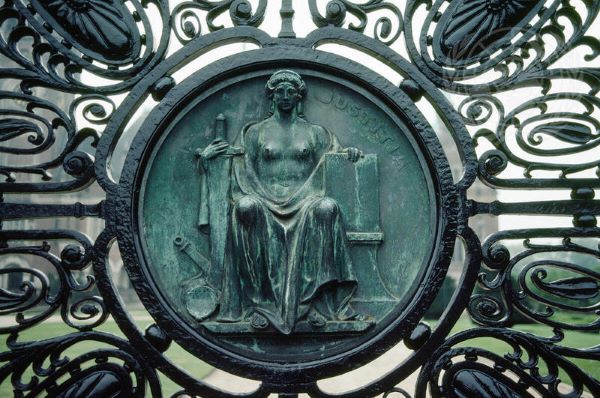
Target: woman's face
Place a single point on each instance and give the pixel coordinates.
(286, 96)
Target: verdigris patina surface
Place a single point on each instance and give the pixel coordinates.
(280, 240)
(287, 203)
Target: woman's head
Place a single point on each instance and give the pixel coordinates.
(286, 88)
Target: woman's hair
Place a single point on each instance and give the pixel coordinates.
(286, 76)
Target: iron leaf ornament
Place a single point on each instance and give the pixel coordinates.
(102, 37)
(509, 37)
(101, 28)
(470, 29)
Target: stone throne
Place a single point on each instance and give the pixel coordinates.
(355, 187)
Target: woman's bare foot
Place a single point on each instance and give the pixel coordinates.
(316, 319)
(258, 321)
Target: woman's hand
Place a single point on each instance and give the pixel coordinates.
(354, 154)
(214, 149)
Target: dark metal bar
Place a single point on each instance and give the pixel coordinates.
(553, 207)
(15, 211)
(287, 17)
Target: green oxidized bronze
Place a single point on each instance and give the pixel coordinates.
(276, 230)
(289, 224)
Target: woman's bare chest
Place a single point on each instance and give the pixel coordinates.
(292, 145)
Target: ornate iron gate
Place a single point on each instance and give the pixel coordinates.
(290, 260)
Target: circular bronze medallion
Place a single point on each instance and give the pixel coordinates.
(285, 216)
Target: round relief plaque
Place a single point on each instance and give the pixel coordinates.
(286, 217)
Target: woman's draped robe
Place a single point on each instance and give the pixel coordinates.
(281, 256)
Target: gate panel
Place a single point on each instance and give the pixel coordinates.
(329, 198)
